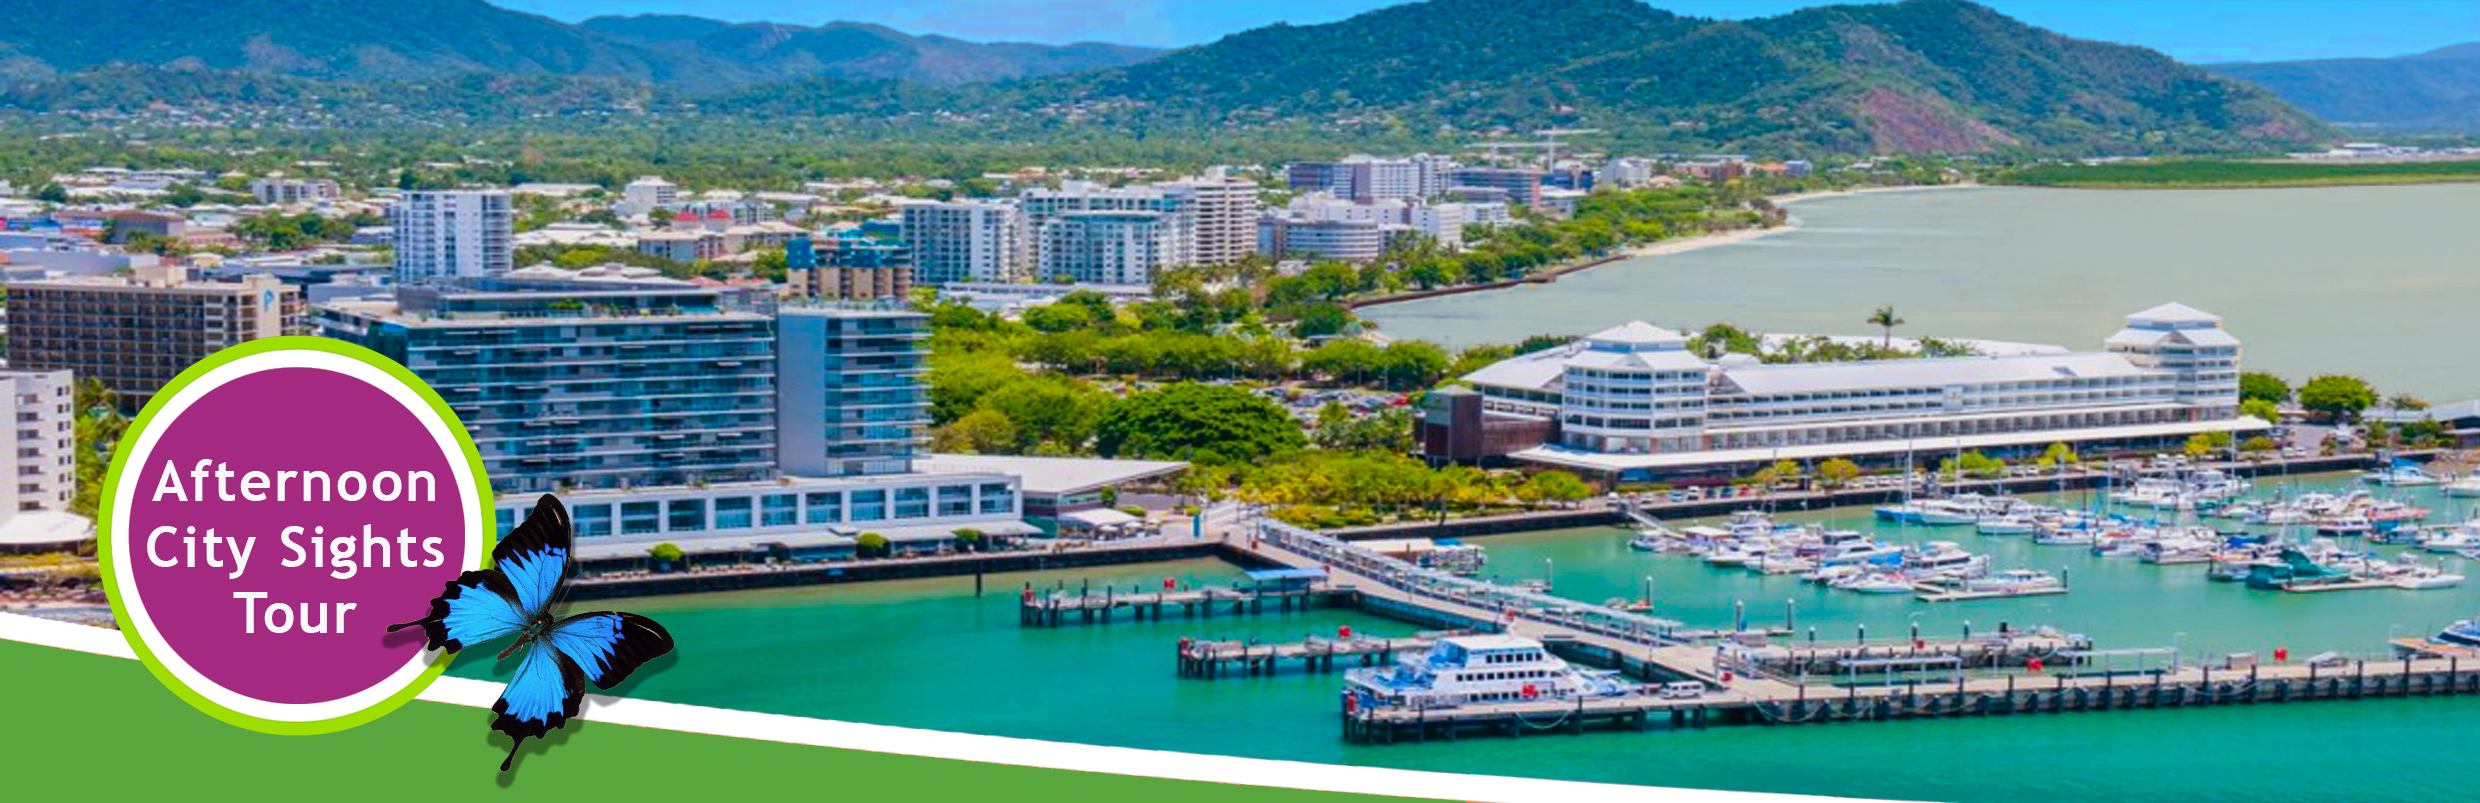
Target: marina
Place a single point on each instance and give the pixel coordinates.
(1058, 678)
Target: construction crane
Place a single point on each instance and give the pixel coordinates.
(1548, 145)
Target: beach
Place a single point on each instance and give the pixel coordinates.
(1681, 245)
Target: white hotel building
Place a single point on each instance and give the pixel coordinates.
(1633, 400)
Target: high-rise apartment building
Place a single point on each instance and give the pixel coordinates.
(665, 412)
(1521, 186)
(1220, 217)
(42, 463)
(443, 234)
(849, 396)
(1369, 178)
(136, 333)
(648, 193)
(1112, 247)
(1210, 219)
(848, 268)
(600, 379)
(967, 241)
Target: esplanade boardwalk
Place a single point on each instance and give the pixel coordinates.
(1634, 401)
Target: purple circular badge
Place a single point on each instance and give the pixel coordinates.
(273, 514)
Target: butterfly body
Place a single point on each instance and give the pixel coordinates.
(558, 657)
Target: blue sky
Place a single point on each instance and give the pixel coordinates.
(2192, 30)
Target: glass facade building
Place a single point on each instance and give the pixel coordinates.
(587, 384)
(849, 398)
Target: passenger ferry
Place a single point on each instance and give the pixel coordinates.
(1468, 670)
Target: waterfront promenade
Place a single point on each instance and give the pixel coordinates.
(604, 583)
(1612, 512)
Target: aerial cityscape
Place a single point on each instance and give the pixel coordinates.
(1560, 390)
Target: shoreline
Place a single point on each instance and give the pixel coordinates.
(1683, 245)
(2311, 185)
(1663, 247)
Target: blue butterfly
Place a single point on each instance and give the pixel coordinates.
(560, 655)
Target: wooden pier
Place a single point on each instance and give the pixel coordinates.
(1208, 659)
(1099, 606)
(1771, 702)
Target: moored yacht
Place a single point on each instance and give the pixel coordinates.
(2401, 475)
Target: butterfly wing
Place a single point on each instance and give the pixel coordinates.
(535, 556)
(608, 645)
(478, 606)
(541, 696)
(602, 647)
(527, 570)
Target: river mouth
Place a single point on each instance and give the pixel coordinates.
(2373, 281)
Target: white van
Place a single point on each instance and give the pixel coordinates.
(1682, 690)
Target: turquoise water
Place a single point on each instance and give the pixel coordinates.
(928, 653)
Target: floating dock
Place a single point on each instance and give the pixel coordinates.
(1207, 659)
(1091, 606)
(1931, 592)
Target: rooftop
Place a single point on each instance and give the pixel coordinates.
(2175, 312)
(1057, 475)
(1634, 332)
(1935, 372)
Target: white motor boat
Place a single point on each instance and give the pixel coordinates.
(2454, 540)
(2007, 525)
(1948, 512)
(1936, 555)
(2466, 487)
(2345, 525)
(2401, 476)
(2013, 581)
(2424, 582)
(1878, 584)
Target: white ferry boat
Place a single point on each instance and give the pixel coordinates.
(1467, 670)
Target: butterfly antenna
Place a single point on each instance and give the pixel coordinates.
(511, 760)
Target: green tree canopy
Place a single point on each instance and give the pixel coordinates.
(2261, 385)
(2336, 396)
(1200, 423)
(1555, 486)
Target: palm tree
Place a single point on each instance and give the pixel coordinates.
(1884, 318)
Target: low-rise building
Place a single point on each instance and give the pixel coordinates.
(281, 191)
(1633, 401)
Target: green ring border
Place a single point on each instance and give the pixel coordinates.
(110, 494)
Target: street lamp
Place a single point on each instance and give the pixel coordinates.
(2177, 654)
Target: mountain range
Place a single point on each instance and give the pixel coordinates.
(1913, 76)
(1918, 75)
(2438, 90)
(396, 40)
